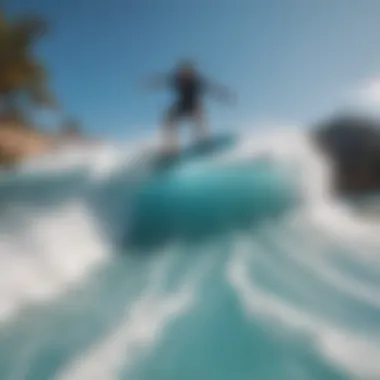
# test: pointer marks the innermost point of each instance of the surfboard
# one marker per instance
(195, 151)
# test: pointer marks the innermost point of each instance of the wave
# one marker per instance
(252, 229)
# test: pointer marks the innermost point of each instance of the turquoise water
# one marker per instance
(202, 271)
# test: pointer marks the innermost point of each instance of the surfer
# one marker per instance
(189, 87)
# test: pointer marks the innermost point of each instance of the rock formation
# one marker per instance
(353, 145)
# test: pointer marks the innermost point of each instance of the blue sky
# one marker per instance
(287, 60)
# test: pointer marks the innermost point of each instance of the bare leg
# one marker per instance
(202, 130)
(170, 135)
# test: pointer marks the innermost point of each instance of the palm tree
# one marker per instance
(23, 80)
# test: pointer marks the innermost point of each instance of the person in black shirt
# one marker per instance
(189, 87)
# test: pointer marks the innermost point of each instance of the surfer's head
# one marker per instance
(186, 68)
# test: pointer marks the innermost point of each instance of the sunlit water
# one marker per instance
(234, 266)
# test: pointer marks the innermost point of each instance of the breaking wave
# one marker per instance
(232, 265)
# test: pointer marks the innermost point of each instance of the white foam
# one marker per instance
(323, 209)
(354, 353)
(140, 329)
(45, 252)
(321, 214)
(95, 158)
(317, 262)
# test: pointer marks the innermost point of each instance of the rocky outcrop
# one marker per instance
(18, 144)
(353, 145)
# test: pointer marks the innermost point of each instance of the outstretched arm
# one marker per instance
(221, 92)
(157, 82)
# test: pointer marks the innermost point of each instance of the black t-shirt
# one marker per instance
(188, 90)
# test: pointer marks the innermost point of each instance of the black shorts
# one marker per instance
(183, 109)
